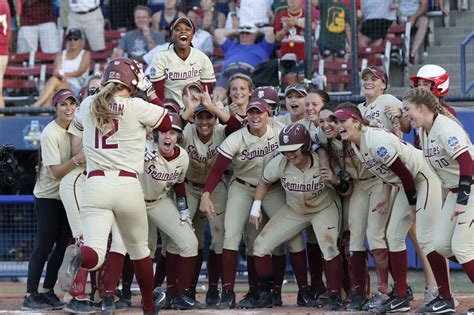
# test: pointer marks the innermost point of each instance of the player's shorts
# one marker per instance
(375, 28)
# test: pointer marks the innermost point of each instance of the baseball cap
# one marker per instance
(193, 85)
(296, 87)
(171, 104)
(248, 29)
(345, 114)
(266, 93)
(63, 95)
(182, 19)
(377, 72)
(201, 108)
(74, 32)
(198, 11)
(259, 104)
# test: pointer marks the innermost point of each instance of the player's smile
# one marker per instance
(327, 122)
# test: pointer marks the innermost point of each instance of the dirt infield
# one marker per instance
(11, 296)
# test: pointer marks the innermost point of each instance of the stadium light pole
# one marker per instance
(308, 42)
(354, 49)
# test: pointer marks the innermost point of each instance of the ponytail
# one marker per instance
(101, 113)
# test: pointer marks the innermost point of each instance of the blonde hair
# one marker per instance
(101, 113)
(420, 96)
(242, 77)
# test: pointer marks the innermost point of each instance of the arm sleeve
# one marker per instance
(157, 102)
(465, 177)
(159, 87)
(407, 179)
(216, 173)
(232, 125)
(179, 189)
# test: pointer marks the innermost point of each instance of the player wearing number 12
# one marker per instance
(114, 141)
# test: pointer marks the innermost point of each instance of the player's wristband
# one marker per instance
(75, 161)
(342, 186)
(255, 212)
(411, 196)
(464, 189)
(182, 203)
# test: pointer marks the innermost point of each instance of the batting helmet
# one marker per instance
(436, 74)
(176, 122)
(122, 70)
(270, 96)
(171, 105)
(293, 137)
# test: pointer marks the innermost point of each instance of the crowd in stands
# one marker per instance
(268, 29)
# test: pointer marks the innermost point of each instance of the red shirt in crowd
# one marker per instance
(4, 27)
(36, 12)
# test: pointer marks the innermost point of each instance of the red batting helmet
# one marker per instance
(176, 122)
(122, 70)
(270, 96)
(436, 74)
(293, 137)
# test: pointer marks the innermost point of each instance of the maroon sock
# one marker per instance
(229, 268)
(171, 274)
(127, 274)
(334, 275)
(279, 268)
(381, 262)
(358, 268)
(264, 266)
(440, 270)
(398, 261)
(144, 274)
(315, 263)
(92, 275)
(100, 281)
(213, 269)
(252, 273)
(469, 269)
(90, 259)
(187, 269)
(298, 264)
(197, 271)
(112, 268)
(160, 271)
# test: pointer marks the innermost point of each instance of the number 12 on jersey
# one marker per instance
(102, 141)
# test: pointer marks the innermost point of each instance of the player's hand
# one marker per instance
(383, 206)
(412, 215)
(328, 175)
(206, 204)
(393, 112)
(145, 85)
(206, 99)
(458, 210)
(192, 99)
(184, 216)
(377, 124)
(80, 157)
(255, 217)
(256, 220)
(149, 155)
(233, 108)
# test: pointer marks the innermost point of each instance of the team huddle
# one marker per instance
(314, 183)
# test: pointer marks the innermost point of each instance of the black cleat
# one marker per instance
(108, 304)
(76, 306)
(212, 297)
(317, 290)
(304, 298)
(334, 303)
(357, 302)
(227, 300)
(394, 304)
(249, 301)
(34, 302)
(184, 302)
(265, 299)
(67, 272)
(168, 302)
(277, 300)
(159, 297)
(52, 299)
(438, 306)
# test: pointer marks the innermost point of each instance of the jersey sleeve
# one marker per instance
(230, 146)
(50, 154)
(454, 142)
(157, 69)
(273, 170)
(184, 156)
(384, 153)
(148, 114)
(207, 75)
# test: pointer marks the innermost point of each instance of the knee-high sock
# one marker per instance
(264, 271)
(252, 273)
(112, 269)
(197, 271)
(358, 268)
(187, 268)
(229, 268)
(315, 263)
(214, 269)
(440, 270)
(469, 269)
(171, 274)
(144, 274)
(127, 274)
(381, 268)
(160, 271)
(334, 275)
(298, 264)
(399, 264)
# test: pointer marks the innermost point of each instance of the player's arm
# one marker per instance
(59, 171)
(212, 180)
(407, 180)
(465, 179)
(182, 203)
(255, 217)
(383, 206)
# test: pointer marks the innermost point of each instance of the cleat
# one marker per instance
(304, 298)
(276, 296)
(357, 302)
(76, 306)
(249, 301)
(377, 299)
(430, 294)
(108, 304)
(184, 302)
(52, 299)
(159, 297)
(34, 302)
(437, 306)
(317, 291)
(265, 299)
(394, 304)
(227, 300)
(67, 272)
(212, 297)
(168, 302)
(334, 303)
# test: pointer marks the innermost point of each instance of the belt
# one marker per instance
(361, 179)
(241, 181)
(194, 184)
(121, 173)
(150, 201)
(239, 65)
(88, 11)
(455, 190)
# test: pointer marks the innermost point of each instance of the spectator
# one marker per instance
(414, 13)
(38, 24)
(378, 16)
(334, 32)
(71, 68)
(244, 55)
(255, 12)
(233, 15)
(120, 14)
(212, 19)
(202, 39)
(5, 34)
(138, 42)
(289, 29)
(86, 15)
(161, 20)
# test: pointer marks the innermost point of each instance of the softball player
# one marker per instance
(52, 226)
(249, 149)
(399, 164)
(365, 214)
(295, 97)
(310, 201)
(270, 95)
(448, 150)
(180, 65)
(239, 90)
(114, 141)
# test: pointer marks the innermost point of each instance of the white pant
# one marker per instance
(48, 37)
